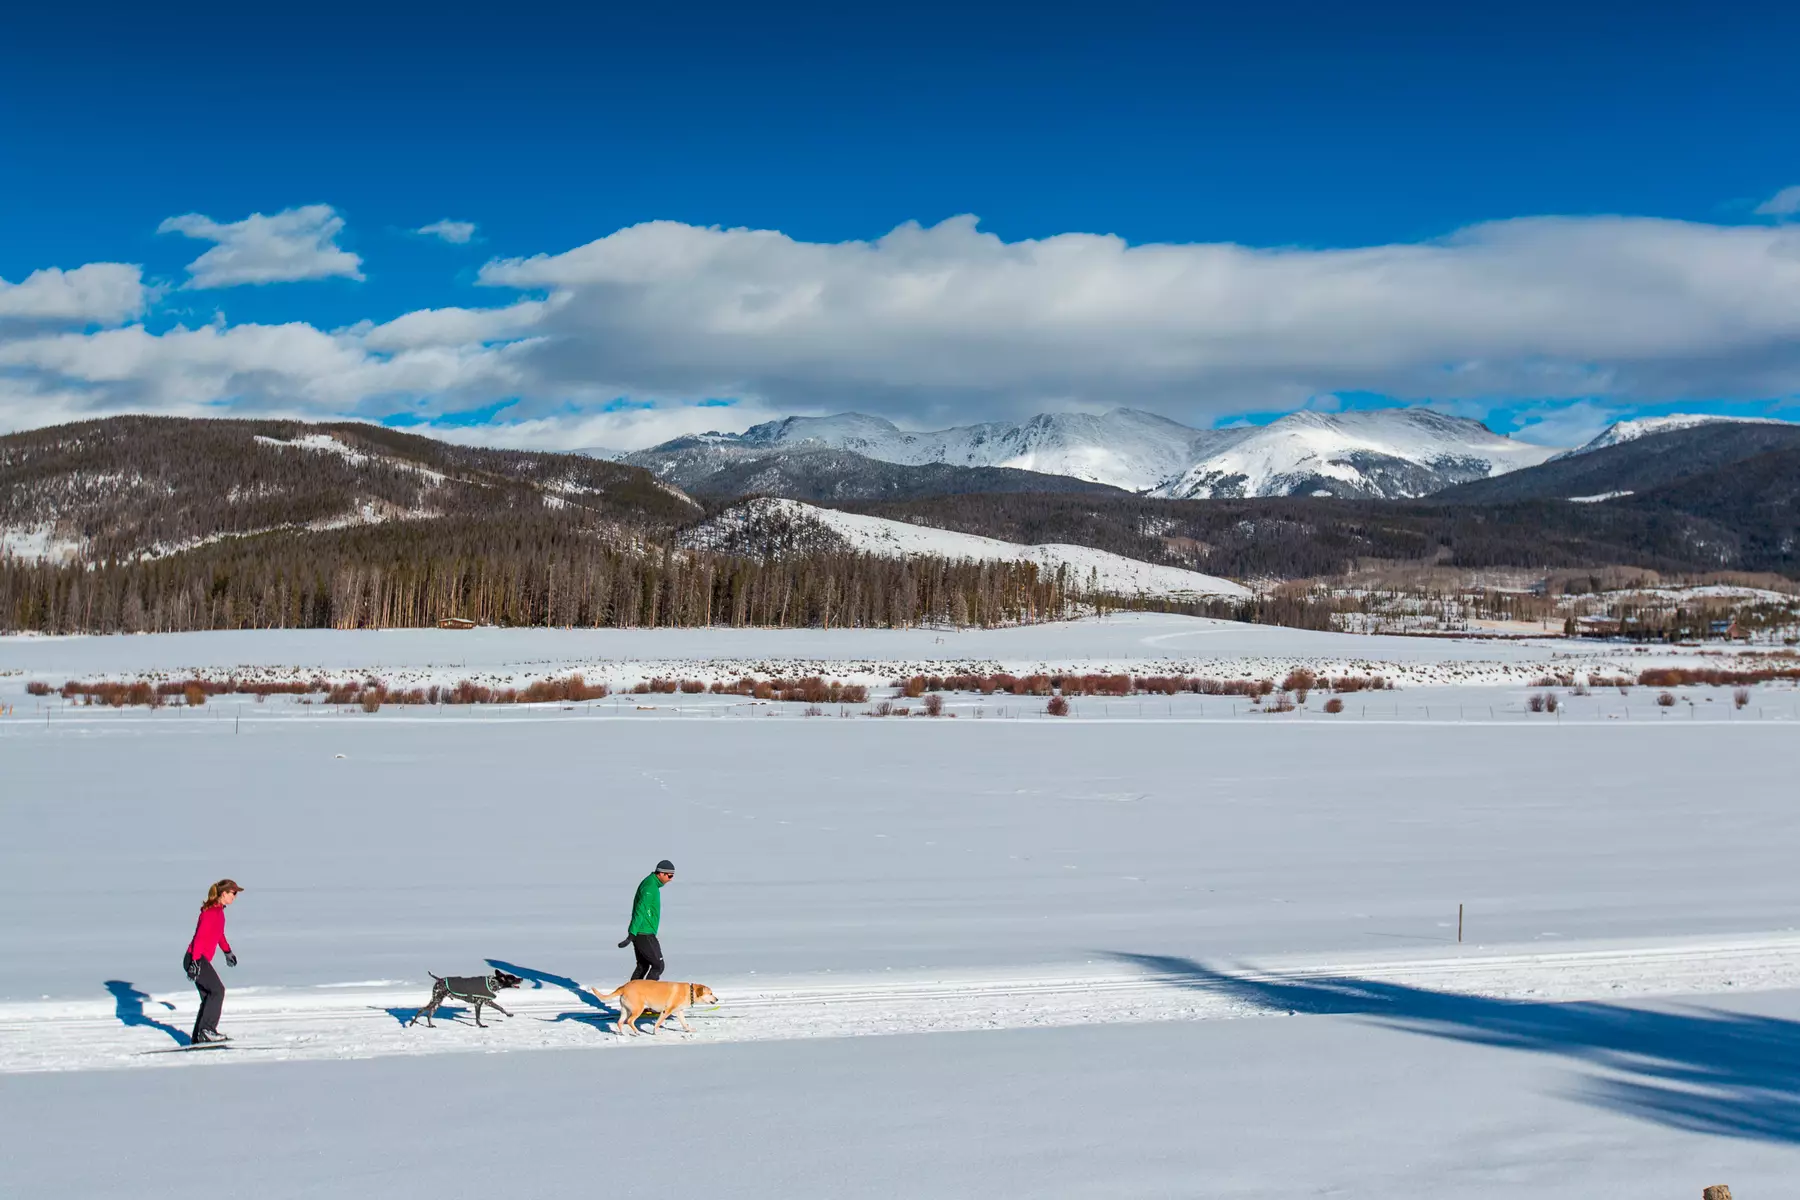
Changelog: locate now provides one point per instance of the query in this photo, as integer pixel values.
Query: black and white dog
(471, 989)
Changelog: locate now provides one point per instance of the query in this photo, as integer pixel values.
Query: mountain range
(1381, 454)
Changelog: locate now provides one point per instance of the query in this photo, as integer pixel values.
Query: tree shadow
(128, 1007)
(538, 979)
(1704, 1070)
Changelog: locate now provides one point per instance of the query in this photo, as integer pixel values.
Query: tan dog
(660, 996)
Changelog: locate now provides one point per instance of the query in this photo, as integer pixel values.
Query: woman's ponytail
(218, 889)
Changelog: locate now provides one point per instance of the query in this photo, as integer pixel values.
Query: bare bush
(1536, 702)
(1300, 680)
(1282, 703)
(1334, 705)
(193, 695)
(1057, 707)
(934, 705)
(37, 687)
(812, 710)
(883, 709)
(1666, 700)
(371, 699)
(1712, 676)
(1551, 703)
(1740, 697)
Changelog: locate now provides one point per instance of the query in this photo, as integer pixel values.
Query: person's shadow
(128, 1006)
(538, 979)
(600, 1019)
(1700, 1069)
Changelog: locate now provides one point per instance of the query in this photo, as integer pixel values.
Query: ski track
(366, 1020)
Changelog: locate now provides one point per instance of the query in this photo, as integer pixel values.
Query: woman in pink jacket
(209, 935)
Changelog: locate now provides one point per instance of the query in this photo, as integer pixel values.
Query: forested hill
(133, 486)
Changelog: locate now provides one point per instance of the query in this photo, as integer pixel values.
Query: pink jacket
(209, 934)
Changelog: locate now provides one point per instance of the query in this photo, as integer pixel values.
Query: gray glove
(230, 959)
(192, 968)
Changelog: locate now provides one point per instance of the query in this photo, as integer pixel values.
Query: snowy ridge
(1128, 449)
(1089, 570)
(339, 1021)
(1388, 453)
(1620, 432)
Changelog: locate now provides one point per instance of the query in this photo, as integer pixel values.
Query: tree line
(528, 570)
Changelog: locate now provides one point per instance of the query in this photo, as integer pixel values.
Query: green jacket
(646, 906)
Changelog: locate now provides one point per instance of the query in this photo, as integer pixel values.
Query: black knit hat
(665, 865)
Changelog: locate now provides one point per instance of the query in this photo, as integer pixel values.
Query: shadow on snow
(1702, 1070)
(128, 1006)
(601, 1018)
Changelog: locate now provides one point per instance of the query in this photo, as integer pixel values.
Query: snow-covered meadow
(1159, 947)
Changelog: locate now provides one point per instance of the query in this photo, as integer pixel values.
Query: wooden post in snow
(1459, 909)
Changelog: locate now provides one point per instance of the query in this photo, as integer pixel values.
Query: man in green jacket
(646, 918)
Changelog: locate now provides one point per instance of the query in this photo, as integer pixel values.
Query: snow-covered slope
(803, 525)
(1631, 431)
(1385, 453)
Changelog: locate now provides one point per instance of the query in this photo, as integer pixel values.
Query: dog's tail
(608, 995)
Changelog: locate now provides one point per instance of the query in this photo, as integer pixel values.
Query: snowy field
(1163, 949)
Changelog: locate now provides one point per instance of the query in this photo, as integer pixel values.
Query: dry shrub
(1536, 702)
(1551, 703)
(1666, 700)
(903, 711)
(855, 693)
(37, 687)
(574, 688)
(1334, 705)
(1741, 697)
(371, 699)
(884, 709)
(1299, 680)
(114, 695)
(1716, 677)
(1350, 683)
(1057, 707)
(193, 695)
(692, 687)
(1580, 689)
(913, 687)
(934, 705)
(813, 710)
(1282, 703)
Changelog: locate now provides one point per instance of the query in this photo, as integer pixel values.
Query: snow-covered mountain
(1386, 453)
(1632, 430)
(1132, 450)
(766, 525)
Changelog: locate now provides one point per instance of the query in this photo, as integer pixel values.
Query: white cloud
(949, 324)
(292, 245)
(95, 294)
(1538, 307)
(455, 232)
(1785, 203)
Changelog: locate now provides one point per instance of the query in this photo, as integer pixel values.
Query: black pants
(212, 999)
(649, 956)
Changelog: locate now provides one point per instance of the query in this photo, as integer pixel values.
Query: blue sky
(1305, 133)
